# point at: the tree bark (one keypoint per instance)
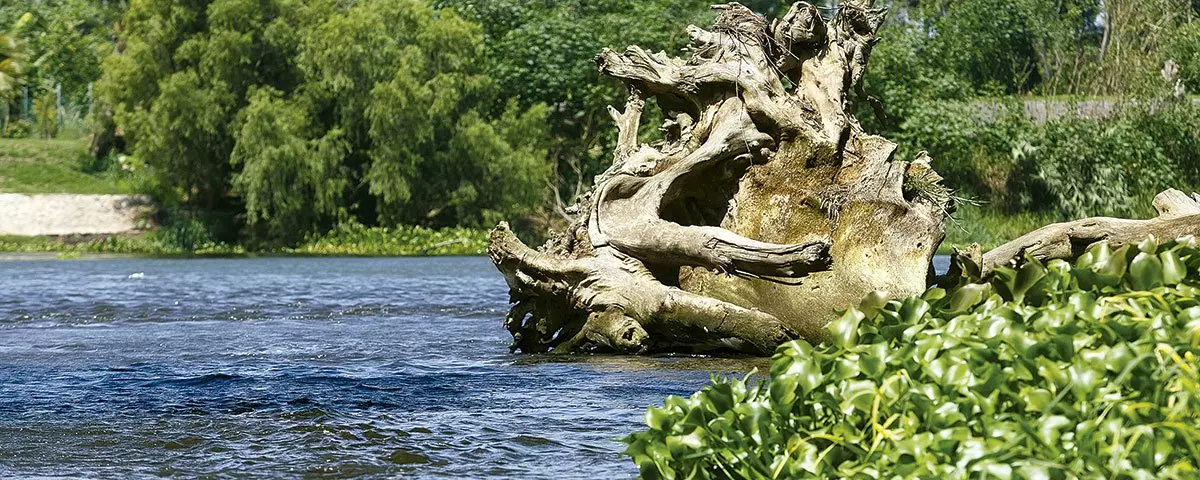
(764, 209)
(1178, 216)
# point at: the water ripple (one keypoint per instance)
(302, 367)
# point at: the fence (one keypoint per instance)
(68, 116)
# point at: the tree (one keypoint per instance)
(12, 69)
(431, 139)
(301, 115)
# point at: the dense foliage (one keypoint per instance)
(61, 43)
(276, 119)
(1069, 167)
(1047, 371)
(973, 83)
(314, 113)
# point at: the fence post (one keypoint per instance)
(58, 105)
(25, 115)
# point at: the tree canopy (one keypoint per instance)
(308, 114)
(285, 117)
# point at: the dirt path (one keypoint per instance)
(70, 214)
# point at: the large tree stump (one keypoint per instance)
(765, 209)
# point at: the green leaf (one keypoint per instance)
(1173, 268)
(968, 296)
(1146, 271)
(844, 330)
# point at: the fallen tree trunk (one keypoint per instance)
(1178, 216)
(763, 209)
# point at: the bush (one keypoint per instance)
(1048, 371)
(970, 142)
(45, 108)
(18, 129)
(1114, 167)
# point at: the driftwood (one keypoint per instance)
(1178, 216)
(763, 210)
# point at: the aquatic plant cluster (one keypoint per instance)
(358, 240)
(1043, 372)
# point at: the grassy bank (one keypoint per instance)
(990, 228)
(54, 166)
(346, 241)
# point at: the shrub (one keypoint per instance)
(356, 239)
(971, 143)
(1113, 167)
(45, 108)
(1047, 371)
(18, 129)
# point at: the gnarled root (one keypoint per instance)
(761, 175)
(611, 302)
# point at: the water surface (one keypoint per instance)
(290, 367)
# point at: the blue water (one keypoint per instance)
(123, 368)
(120, 368)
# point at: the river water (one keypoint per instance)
(323, 367)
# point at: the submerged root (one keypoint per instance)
(612, 303)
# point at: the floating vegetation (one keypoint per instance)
(1044, 372)
(350, 240)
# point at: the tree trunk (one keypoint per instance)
(1178, 216)
(764, 210)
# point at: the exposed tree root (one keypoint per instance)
(611, 302)
(764, 209)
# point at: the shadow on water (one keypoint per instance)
(628, 363)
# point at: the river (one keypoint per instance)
(323, 367)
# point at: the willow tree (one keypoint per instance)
(764, 209)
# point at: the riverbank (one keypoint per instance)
(355, 241)
(58, 214)
(38, 167)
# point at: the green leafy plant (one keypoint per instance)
(45, 109)
(1046, 371)
(18, 129)
(358, 240)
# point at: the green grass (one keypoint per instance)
(143, 244)
(989, 228)
(53, 166)
(355, 241)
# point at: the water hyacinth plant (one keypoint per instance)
(1054, 371)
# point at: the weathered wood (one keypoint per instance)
(1178, 216)
(624, 304)
(763, 209)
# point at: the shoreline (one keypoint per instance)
(38, 256)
